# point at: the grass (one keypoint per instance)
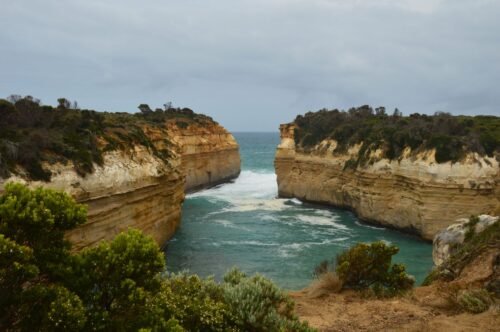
(326, 283)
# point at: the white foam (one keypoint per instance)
(250, 243)
(248, 184)
(326, 213)
(295, 201)
(229, 224)
(268, 217)
(320, 220)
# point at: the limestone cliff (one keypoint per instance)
(210, 155)
(413, 193)
(137, 187)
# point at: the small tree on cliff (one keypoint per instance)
(145, 109)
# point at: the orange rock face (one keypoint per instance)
(136, 189)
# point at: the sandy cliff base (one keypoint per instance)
(420, 311)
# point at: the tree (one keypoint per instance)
(34, 256)
(63, 103)
(14, 98)
(118, 280)
(380, 111)
(167, 106)
(145, 108)
(397, 113)
(37, 219)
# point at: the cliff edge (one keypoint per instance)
(392, 184)
(132, 170)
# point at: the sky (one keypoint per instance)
(252, 65)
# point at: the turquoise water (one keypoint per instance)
(243, 224)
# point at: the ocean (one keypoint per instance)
(244, 224)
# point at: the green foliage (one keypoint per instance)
(117, 279)
(471, 225)
(32, 134)
(16, 268)
(451, 136)
(198, 304)
(475, 300)
(368, 266)
(34, 257)
(50, 308)
(117, 285)
(37, 219)
(258, 305)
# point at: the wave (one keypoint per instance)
(321, 221)
(229, 224)
(250, 243)
(249, 184)
(368, 226)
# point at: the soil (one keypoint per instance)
(423, 310)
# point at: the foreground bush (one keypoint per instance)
(118, 285)
(369, 266)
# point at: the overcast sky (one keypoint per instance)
(254, 64)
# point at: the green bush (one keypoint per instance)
(475, 300)
(258, 305)
(118, 285)
(198, 304)
(368, 266)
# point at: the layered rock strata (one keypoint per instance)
(414, 193)
(210, 155)
(136, 189)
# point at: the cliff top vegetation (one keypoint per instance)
(451, 136)
(32, 133)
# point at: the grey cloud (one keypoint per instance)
(255, 64)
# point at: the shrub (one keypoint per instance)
(367, 266)
(198, 304)
(258, 305)
(475, 300)
(117, 285)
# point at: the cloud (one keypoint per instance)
(255, 64)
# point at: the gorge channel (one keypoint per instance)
(244, 224)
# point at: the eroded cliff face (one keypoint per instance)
(210, 155)
(414, 193)
(136, 189)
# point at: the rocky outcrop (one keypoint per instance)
(137, 188)
(447, 241)
(413, 193)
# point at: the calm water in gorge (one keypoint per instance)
(243, 224)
